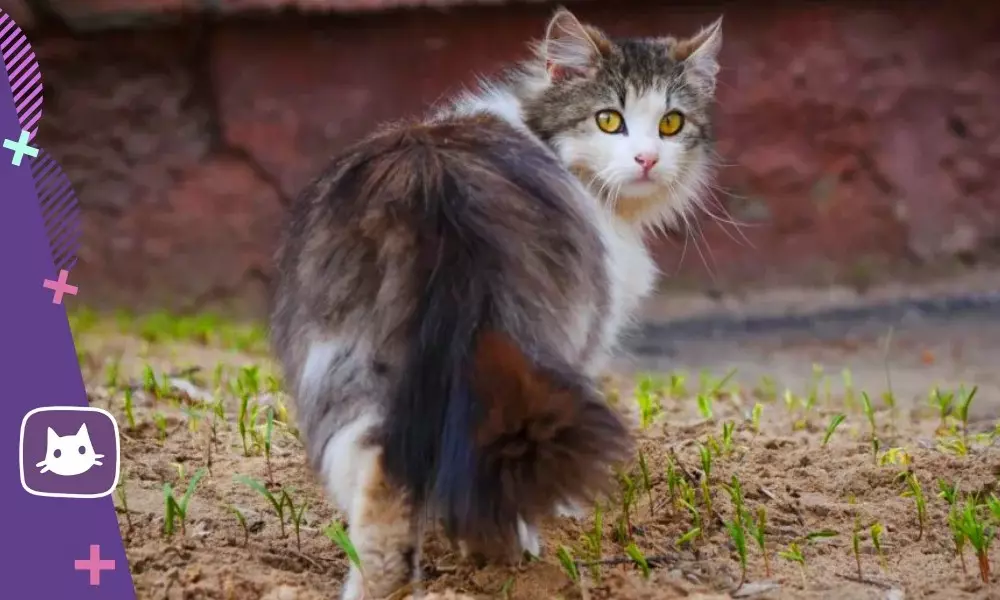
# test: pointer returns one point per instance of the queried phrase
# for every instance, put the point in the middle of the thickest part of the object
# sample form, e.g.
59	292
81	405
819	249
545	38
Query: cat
449	290
69	455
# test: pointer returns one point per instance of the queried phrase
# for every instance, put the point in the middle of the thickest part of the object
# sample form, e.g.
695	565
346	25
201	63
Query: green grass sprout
737	534
277	502
913	490
638	558
568	564
979	535
964	402
832	426
129	409
876	531
177	509
242	520
794	554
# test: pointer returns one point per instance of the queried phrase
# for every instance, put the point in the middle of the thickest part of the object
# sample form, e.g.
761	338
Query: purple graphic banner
66	547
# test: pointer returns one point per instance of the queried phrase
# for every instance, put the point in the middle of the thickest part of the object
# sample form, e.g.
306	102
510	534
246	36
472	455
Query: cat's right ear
51	436
572	49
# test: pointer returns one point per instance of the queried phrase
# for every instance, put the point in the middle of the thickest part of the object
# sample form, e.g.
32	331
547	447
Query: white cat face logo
70	454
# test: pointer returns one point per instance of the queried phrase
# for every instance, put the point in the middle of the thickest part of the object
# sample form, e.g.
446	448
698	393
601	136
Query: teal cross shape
20	148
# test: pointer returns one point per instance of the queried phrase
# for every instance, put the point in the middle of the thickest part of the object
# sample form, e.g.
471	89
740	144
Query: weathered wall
854	136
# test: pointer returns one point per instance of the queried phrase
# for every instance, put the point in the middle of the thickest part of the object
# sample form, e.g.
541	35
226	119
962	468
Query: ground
813	494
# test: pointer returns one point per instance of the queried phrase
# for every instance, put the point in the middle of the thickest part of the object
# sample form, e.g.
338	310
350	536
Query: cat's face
69	454
630	118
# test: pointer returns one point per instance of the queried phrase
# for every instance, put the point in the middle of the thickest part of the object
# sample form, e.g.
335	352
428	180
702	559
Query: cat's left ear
83	431
572	49
700	56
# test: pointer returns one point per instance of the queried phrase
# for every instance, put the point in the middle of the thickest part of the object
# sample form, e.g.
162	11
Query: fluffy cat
450	288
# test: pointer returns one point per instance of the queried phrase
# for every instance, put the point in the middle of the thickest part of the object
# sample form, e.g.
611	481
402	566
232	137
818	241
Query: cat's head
630	117
69	454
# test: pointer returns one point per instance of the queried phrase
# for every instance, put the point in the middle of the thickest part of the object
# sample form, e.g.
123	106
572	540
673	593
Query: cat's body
451	288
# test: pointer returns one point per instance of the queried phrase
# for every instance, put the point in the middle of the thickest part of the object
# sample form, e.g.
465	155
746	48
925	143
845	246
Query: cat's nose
646	161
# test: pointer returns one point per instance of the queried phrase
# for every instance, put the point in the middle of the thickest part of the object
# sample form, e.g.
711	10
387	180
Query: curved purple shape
60	210
23	74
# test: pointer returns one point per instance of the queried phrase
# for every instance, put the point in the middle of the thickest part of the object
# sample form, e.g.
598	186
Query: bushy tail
479	433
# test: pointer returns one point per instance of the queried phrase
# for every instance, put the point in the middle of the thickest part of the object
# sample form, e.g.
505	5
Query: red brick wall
854	136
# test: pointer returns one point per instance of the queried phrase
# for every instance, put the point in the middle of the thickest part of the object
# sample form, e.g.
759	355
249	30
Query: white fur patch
345	460
529	538
492	100
316	368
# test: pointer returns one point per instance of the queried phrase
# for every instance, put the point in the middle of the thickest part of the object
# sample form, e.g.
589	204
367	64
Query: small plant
648	398
646	481
869	410
767	389
706	474
639	558
979	535
628	501
755	415
964	402
161	426
277	502
705	406
593	541
111	374
913	490
738	535
295	515
176	510
243	523
832	426
568	564
849	394
676	385
673	479
876	532
336	533
123	498
727	437
794	554
268	430
129	409
758	531
945	403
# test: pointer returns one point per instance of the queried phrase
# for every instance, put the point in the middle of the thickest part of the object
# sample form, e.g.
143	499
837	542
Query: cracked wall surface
850	136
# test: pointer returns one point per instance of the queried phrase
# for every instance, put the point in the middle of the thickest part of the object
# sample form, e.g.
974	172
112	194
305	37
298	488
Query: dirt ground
806	487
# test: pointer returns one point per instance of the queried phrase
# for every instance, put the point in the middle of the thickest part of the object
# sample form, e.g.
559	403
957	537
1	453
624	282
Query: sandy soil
804	486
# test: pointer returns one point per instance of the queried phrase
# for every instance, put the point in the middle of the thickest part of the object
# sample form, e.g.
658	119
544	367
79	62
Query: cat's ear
50	436
700	55
572	49
83	431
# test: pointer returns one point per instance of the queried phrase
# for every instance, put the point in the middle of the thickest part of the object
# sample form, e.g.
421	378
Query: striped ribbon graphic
60	208
23	74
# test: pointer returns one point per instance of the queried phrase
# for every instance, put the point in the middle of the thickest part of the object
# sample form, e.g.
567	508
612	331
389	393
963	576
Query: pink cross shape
95	565
60	287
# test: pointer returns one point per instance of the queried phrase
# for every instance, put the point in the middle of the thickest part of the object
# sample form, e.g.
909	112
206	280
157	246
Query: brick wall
854	136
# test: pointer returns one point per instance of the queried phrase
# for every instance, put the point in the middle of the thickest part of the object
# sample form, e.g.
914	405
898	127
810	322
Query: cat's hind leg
382	523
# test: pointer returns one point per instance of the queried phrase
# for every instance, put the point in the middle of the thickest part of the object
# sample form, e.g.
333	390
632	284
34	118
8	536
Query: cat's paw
529	539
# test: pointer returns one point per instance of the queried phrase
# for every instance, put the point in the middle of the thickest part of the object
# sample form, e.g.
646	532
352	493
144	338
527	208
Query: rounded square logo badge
69	452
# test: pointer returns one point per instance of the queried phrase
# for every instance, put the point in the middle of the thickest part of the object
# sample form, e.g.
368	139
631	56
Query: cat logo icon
69	452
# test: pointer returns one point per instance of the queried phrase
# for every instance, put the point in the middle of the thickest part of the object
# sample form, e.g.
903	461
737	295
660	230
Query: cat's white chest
632	275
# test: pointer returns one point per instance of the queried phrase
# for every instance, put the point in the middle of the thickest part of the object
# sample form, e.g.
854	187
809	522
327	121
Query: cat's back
360	237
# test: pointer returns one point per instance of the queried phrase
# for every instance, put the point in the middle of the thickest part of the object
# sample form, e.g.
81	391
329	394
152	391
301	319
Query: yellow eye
671	123
610	121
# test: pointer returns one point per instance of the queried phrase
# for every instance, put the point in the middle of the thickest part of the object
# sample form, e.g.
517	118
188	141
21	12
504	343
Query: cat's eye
610	121
671	123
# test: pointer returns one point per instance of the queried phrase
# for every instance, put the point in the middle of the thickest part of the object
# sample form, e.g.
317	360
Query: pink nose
646	161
